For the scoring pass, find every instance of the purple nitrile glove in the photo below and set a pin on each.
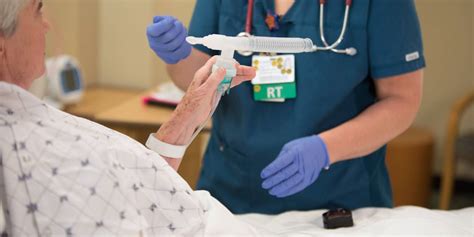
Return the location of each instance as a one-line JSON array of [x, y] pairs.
[[167, 38], [297, 166]]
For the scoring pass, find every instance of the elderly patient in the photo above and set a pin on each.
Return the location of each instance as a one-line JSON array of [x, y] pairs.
[[64, 175]]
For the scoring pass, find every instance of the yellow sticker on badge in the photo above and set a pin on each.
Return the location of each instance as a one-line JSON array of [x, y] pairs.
[[257, 88], [274, 69]]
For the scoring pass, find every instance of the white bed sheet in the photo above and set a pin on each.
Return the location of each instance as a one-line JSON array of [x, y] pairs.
[[401, 221]]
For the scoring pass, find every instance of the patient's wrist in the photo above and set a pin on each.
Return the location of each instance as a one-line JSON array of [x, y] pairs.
[[178, 130]]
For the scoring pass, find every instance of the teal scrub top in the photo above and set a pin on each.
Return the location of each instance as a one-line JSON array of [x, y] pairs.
[[331, 89]]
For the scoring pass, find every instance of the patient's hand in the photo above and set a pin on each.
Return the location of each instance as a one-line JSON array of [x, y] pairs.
[[201, 94], [197, 103]]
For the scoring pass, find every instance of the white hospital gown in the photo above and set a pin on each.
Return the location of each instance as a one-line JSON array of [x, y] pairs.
[[66, 176]]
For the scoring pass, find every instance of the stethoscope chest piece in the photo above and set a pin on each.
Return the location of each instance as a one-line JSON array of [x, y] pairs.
[[245, 53]]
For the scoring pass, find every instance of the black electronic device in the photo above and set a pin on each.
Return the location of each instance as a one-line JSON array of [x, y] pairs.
[[337, 218]]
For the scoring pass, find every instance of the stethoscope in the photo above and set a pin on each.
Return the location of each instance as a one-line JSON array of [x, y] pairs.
[[333, 47]]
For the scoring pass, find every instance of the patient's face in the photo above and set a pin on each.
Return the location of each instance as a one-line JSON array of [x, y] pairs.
[[25, 50]]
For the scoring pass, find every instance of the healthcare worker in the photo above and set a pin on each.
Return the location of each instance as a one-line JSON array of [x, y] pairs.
[[320, 141]]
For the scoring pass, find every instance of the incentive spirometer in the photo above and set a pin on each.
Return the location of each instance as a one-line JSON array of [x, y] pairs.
[[228, 45]]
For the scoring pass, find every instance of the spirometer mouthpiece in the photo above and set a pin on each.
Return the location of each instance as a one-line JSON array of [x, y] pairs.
[[194, 40], [254, 43]]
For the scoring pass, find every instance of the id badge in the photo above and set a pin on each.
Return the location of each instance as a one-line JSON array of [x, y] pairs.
[[275, 78]]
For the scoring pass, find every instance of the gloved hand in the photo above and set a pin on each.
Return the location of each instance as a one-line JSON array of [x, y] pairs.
[[297, 166], [167, 37]]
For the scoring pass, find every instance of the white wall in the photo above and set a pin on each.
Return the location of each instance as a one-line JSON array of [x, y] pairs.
[[74, 31], [448, 31], [124, 59], [124, 56]]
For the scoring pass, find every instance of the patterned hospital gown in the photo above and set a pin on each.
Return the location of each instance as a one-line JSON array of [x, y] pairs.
[[66, 176]]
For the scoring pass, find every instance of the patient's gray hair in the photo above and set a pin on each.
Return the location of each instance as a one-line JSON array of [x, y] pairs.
[[9, 11]]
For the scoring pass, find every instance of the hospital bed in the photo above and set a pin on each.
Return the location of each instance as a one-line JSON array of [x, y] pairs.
[[401, 221]]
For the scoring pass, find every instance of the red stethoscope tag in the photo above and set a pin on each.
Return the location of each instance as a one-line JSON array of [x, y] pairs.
[[272, 21]]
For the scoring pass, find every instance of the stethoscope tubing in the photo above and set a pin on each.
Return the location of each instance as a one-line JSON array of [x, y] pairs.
[[327, 47]]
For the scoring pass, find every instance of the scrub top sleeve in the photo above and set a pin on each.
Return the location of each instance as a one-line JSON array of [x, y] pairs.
[[205, 21], [395, 41]]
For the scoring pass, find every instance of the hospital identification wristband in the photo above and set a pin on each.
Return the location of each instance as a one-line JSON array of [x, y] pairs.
[[164, 149]]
